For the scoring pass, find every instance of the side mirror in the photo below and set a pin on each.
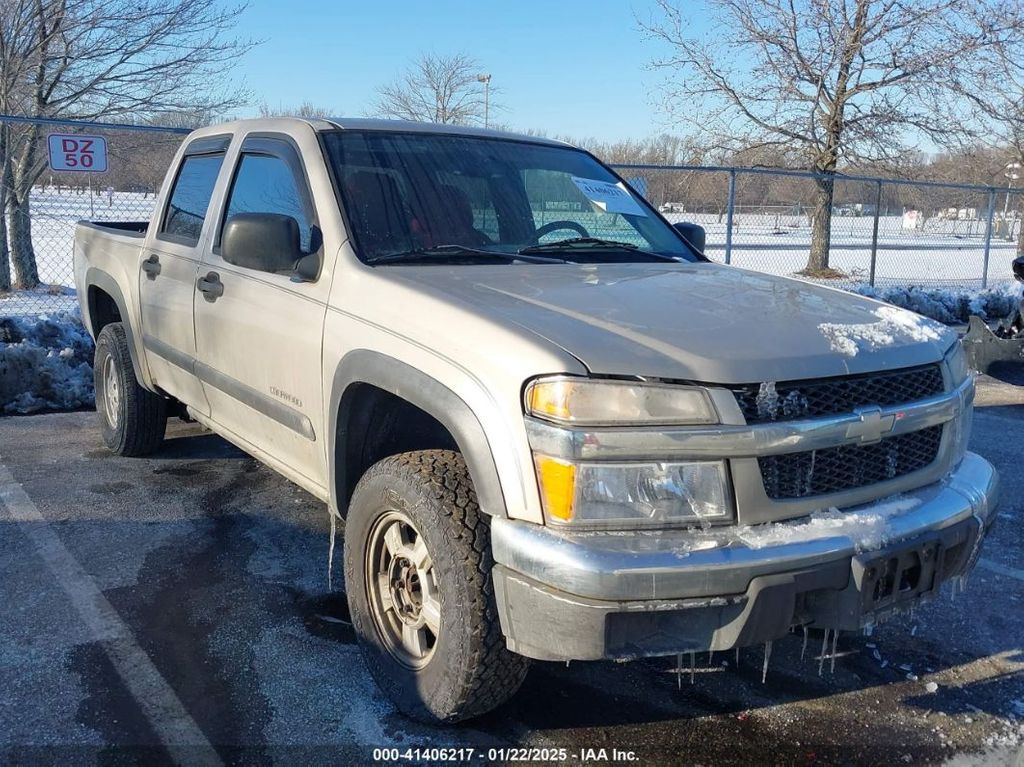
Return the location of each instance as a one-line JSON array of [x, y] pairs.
[[1018, 268], [268, 242], [693, 234]]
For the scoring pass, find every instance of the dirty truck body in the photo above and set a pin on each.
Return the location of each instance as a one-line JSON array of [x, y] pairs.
[[554, 430]]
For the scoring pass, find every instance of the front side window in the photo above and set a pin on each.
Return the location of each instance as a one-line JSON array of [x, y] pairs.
[[190, 197], [266, 184], [418, 195]]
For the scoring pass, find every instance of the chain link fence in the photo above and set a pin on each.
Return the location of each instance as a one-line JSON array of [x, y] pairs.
[[883, 231], [41, 206]]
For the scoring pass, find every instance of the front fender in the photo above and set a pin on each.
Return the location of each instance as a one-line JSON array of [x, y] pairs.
[[363, 366]]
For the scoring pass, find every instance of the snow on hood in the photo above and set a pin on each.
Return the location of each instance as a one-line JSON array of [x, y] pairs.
[[702, 322], [894, 326]]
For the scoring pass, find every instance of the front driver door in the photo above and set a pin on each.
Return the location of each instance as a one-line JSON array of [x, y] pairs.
[[259, 334]]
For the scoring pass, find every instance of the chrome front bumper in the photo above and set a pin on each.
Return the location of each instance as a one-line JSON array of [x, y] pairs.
[[617, 595]]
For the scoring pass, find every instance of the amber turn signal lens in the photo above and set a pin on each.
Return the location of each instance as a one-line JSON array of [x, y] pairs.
[[557, 481]]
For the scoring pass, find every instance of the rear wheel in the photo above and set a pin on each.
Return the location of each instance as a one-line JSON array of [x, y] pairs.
[[418, 577], [132, 419]]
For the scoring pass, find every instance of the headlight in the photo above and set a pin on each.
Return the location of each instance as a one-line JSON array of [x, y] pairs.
[[632, 494], [600, 403]]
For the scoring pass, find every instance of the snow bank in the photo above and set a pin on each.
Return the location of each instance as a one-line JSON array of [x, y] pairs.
[[894, 325], [45, 363], [950, 305]]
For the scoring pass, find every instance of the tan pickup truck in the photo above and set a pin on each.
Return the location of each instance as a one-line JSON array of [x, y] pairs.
[[553, 428]]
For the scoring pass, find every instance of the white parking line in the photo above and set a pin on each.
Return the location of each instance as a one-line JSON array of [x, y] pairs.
[[178, 732], [995, 567]]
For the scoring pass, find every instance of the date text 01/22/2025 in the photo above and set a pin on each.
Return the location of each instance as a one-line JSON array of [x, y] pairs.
[[503, 754]]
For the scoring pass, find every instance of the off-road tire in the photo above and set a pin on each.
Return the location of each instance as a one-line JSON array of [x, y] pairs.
[[471, 671], [134, 423]]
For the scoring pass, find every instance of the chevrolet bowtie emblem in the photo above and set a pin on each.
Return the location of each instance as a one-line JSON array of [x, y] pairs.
[[872, 426]]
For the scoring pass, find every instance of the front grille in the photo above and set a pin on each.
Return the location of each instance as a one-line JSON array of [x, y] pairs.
[[835, 469], [766, 402]]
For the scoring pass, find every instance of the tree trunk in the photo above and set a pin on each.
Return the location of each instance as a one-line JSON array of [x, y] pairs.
[[5, 176], [23, 255], [24, 173], [821, 224], [5, 257]]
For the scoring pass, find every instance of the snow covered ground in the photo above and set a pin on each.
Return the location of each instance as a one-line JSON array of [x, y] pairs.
[[54, 215], [943, 253], [45, 364]]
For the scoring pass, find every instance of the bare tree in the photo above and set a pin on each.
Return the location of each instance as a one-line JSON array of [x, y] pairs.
[[89, 59], [840, 81], [307, 110], [439, 89], [996, 101]]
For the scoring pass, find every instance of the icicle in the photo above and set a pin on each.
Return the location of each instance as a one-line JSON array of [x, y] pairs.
[[711, 656], [330, 553], [679, 670], [803, 650], [693, 664], [835, 641], [824, 647], [767, 655], [737, 657]]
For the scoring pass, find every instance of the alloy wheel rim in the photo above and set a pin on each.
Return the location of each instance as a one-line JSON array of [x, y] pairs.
[[111, 392], [402, 586]]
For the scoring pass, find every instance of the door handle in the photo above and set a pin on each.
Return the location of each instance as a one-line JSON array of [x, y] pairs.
[[151, 266], [211, 287]]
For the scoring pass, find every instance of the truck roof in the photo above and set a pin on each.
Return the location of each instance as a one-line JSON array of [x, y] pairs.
[[367, 124]]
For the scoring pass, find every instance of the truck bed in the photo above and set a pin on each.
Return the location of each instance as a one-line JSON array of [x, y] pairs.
[[127, 228]]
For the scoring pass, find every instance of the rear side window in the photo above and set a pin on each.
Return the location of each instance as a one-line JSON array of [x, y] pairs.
[[266, 184], [190, 197]]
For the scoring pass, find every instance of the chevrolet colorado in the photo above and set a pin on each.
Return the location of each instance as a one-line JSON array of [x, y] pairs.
[[552, 427]]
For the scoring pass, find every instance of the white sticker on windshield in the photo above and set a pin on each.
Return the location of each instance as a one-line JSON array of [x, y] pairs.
[[611, 198]]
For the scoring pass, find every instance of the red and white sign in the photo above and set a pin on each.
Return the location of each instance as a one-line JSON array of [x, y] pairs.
[[71, 151]]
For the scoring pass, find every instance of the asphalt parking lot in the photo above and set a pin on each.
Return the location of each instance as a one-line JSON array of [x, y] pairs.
[[176, 609]]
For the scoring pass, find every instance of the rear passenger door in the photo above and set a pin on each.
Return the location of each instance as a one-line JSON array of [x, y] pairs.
[[168, 268], [259, 339]]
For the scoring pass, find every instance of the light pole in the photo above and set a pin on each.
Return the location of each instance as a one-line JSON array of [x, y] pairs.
[[486, 80]]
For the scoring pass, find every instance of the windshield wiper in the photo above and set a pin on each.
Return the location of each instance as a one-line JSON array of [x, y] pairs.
[[448, 251], [592, 243]]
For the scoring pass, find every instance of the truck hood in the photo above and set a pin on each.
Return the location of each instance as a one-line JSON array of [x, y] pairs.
[[699, 322]]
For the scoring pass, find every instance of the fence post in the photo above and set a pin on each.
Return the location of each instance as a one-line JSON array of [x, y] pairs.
[[988, 236], [729, 215], [874, 234]]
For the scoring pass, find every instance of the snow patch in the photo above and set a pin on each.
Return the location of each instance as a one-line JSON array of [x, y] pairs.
[[868, 528], [45, 363], [894, 326], [950, 306]]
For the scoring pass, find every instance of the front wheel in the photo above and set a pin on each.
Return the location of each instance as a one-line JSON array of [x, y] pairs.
[[132, 419], [418, 578]]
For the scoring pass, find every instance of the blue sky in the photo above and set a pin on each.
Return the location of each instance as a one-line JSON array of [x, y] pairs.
[[563, 66]]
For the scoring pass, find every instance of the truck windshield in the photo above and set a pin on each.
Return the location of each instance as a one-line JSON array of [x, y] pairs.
[[411, 197]]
